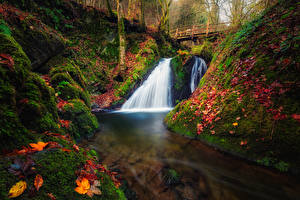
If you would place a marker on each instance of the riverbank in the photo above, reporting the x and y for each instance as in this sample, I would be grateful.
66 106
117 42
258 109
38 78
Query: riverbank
158 164
246 103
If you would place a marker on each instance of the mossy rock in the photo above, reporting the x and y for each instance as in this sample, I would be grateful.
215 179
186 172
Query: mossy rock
58 169
12 132
37 105
16 74
71 69
204 51
68 91
83 122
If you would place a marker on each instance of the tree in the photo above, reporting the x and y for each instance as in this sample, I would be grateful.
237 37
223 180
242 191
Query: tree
164 24
121 31
109 8
142 18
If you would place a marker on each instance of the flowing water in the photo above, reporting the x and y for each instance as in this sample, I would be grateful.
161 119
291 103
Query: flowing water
144 151
161 165
155 92
198 71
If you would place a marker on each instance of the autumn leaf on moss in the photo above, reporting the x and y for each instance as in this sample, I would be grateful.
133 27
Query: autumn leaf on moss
76 148
22 168
38 182
51 196
38 146
17 189
94 190
8 60
83 186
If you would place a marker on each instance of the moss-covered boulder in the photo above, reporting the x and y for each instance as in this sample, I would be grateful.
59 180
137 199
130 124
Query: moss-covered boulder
248 101
13 72
204 51
83 122
38 41
37 105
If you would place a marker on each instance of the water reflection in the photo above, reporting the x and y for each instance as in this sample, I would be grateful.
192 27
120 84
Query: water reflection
140 146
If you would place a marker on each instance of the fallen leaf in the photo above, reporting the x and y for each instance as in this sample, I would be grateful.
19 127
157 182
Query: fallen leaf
296 117
38 182
52 197
66 150
9 61
83 186
38 146
94 190
76 148
17 189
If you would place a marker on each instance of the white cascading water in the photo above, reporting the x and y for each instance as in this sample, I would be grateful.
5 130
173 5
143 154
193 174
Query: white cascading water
198 71
155 92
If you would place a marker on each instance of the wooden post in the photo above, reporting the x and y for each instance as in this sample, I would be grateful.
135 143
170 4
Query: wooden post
207 27
193 31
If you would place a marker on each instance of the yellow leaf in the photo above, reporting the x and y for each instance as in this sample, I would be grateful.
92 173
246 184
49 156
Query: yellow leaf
17 189
38 146
235 124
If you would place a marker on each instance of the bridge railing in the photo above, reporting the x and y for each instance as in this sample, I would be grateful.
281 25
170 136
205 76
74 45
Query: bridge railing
196 30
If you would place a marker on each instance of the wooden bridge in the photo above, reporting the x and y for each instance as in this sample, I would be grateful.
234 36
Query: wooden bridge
198 31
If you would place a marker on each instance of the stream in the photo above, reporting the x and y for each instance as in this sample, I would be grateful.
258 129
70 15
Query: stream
140 146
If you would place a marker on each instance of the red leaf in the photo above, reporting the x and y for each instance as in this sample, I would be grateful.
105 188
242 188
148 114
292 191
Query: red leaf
9 61
296 117
76 148
52 197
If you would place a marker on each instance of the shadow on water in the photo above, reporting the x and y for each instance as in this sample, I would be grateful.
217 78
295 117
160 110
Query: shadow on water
158 164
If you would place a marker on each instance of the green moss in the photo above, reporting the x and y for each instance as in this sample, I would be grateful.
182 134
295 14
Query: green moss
72 91
83 121
37 107
204 51
4 28
21 65
73 70
12 132
262 67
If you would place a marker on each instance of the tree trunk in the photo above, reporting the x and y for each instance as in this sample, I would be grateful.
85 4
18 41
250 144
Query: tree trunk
109 8
121 30
142 20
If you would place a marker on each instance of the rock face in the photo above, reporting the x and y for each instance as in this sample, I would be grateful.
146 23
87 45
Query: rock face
39 48
248 101
181 87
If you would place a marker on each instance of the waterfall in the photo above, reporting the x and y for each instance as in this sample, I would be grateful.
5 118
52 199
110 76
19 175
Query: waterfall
155 92
198 71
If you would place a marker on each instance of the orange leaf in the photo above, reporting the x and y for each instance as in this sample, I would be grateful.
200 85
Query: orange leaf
38 182
38 146
83 186
66 150
76 148
52 197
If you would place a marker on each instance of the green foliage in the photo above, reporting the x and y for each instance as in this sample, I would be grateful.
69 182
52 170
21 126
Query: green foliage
4 28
